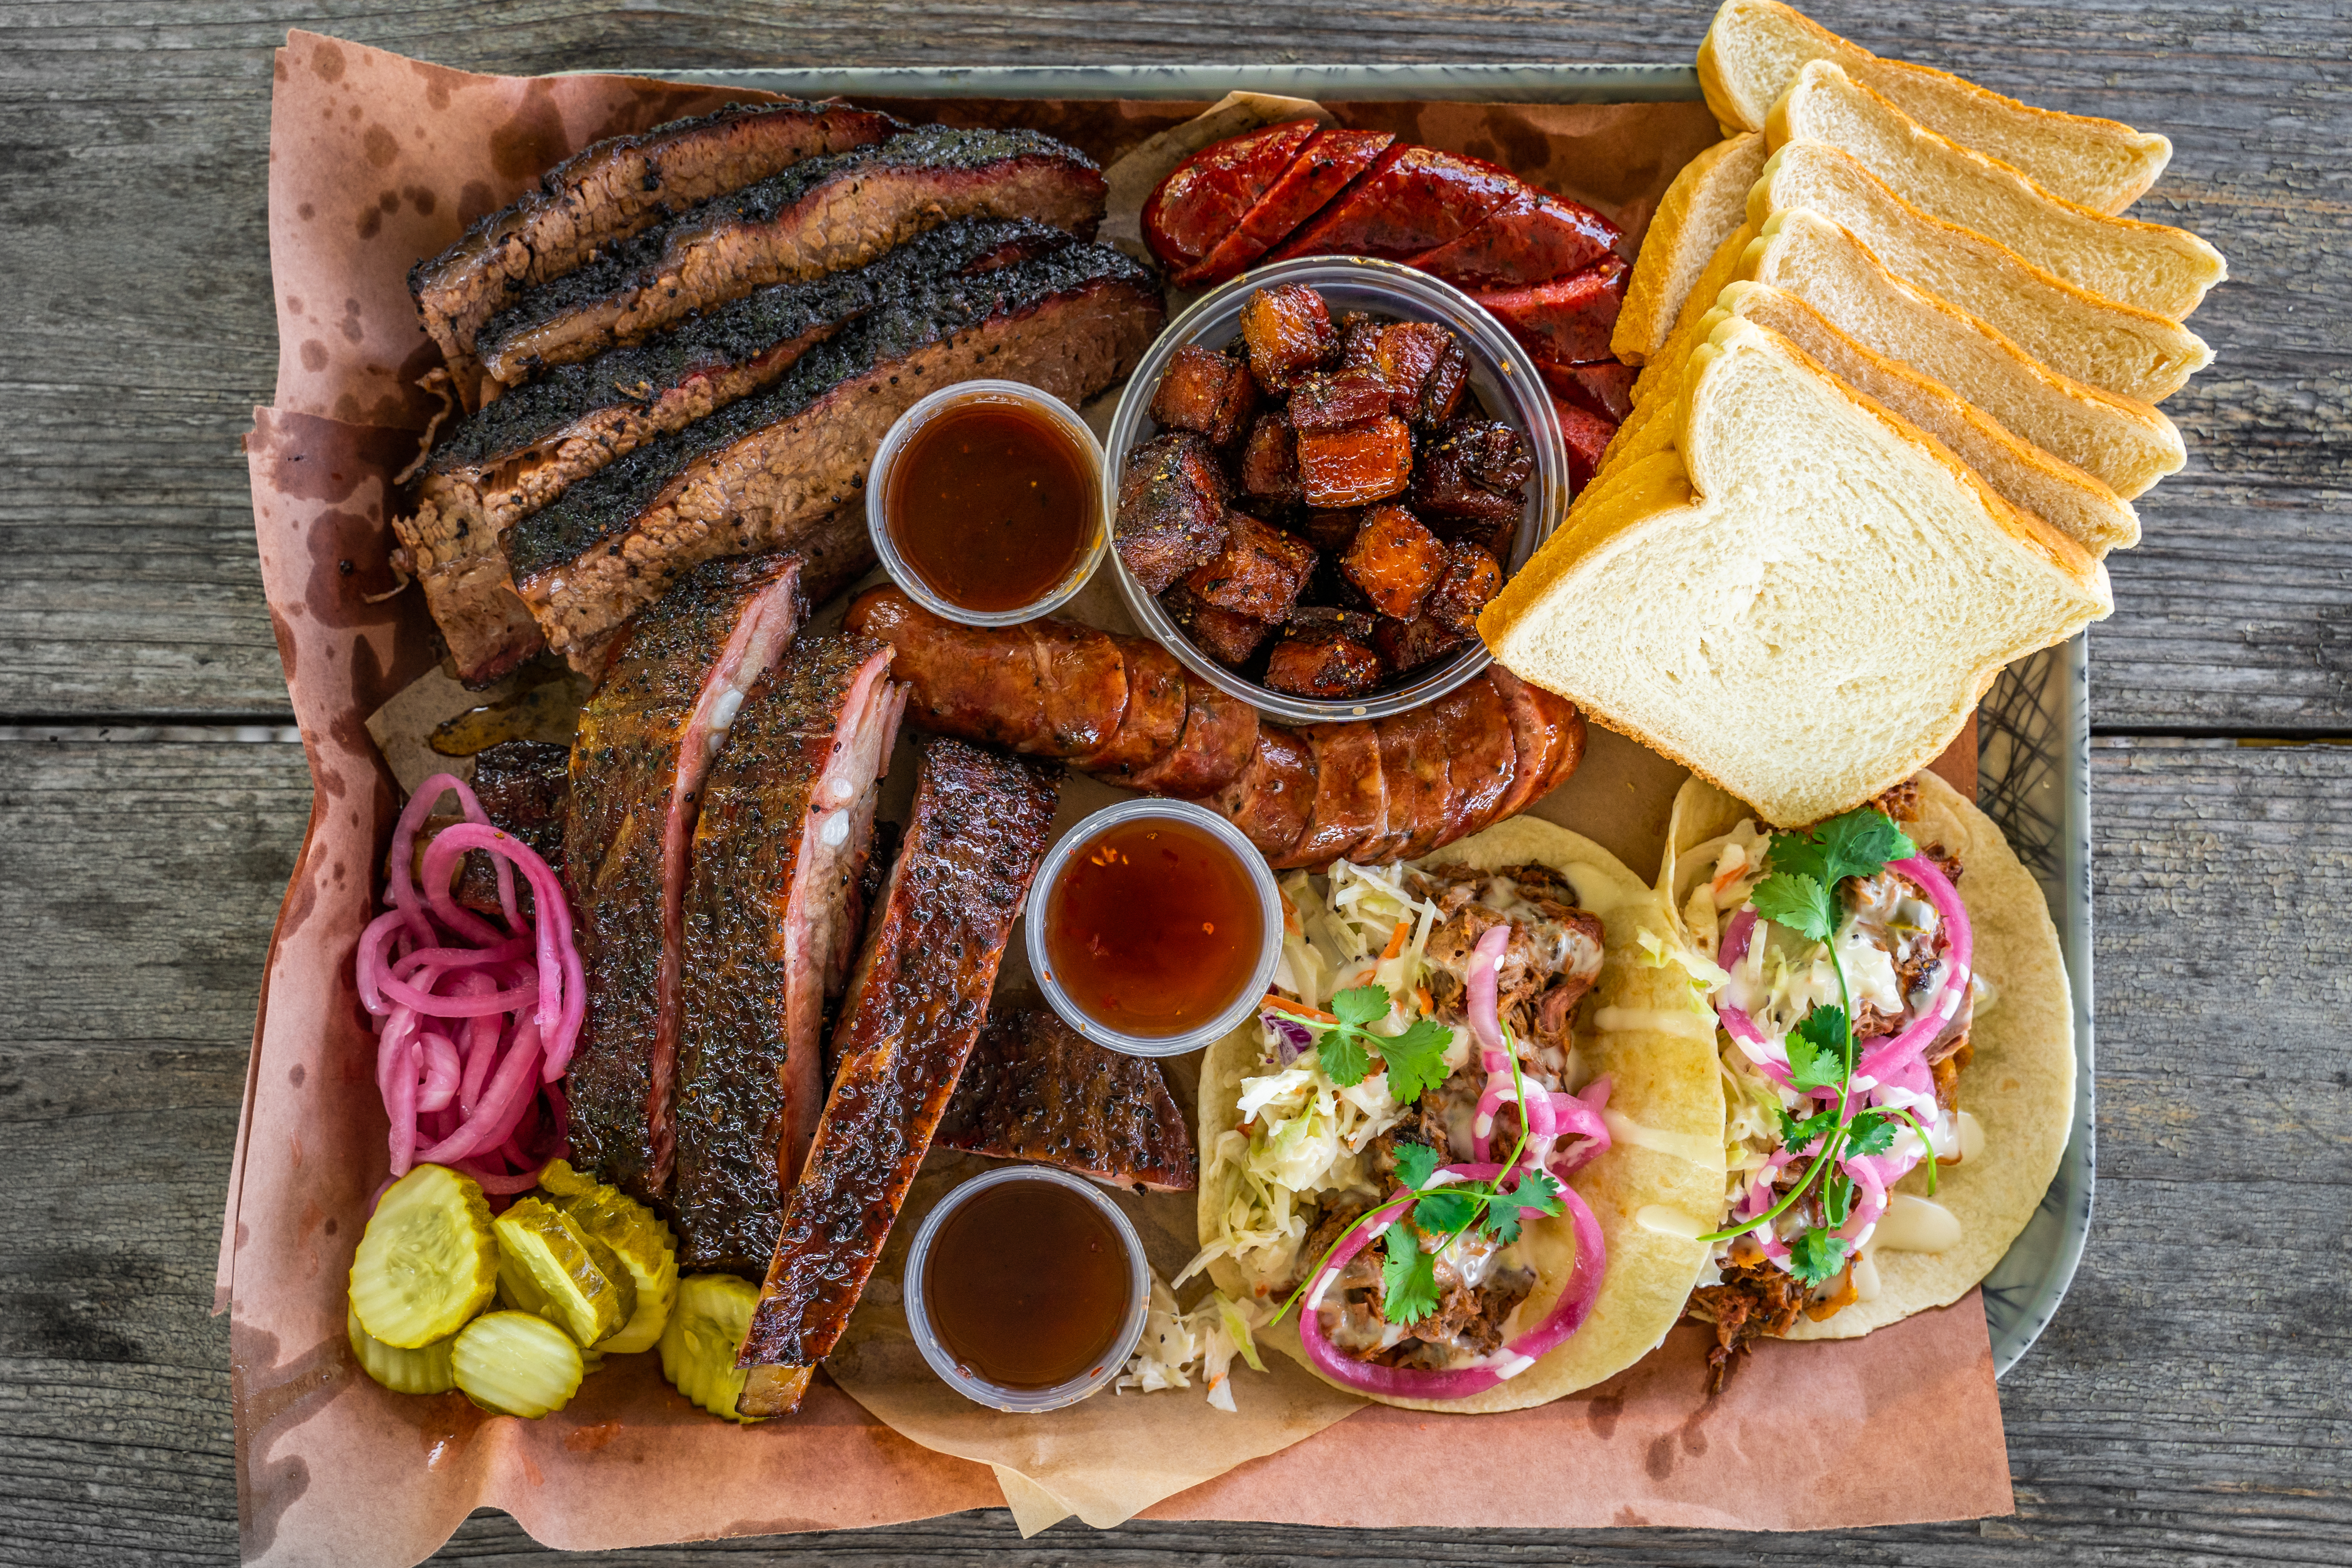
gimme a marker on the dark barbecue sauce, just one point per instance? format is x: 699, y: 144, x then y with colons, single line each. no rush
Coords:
x: 1027, y: 1285
x: 991, y: 505
x: 1154, y: 927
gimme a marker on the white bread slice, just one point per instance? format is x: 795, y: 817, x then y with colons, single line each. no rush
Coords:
x: 1801, y: 598
x: 2159, y: 268
x: 2023, y: 475
x: 2131, y: 353
x: 1754, y: 50
x: 1707, y: 202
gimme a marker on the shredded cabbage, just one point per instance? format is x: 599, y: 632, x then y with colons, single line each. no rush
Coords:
x: 1212, y: 1334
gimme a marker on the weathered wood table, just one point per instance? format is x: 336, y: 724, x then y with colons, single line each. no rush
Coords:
x: 2193, y: 1400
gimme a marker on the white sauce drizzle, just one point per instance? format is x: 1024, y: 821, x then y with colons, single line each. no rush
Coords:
x: 1670, y: 1222
x: 1657, y: 1020
x: 1691, y: 1146
x: 1913, y: 1224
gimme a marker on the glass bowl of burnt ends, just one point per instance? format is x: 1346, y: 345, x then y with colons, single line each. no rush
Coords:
x: 1503, y: 385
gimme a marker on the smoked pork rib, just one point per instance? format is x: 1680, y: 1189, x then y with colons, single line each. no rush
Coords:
x: 914, y: 1009
x: 817, y: 217
x: 1362, y: 791
x: 609, y: 191
x: 756, y: 475
x: 771, y: 915
x: 1037, y: 1090
x: 646, y: 738
x: 520, y: 452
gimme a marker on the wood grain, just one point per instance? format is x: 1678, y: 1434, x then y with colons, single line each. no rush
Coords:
x: 132, y: 232
x: 2192, y: 1400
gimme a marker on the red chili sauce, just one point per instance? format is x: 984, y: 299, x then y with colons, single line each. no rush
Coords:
x: 1027, y: 1285
x: 990, y: 504
x: 1154, y: 927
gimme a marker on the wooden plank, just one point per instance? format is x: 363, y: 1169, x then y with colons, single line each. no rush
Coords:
x: 2192, y: 1397
x: 132, y: 232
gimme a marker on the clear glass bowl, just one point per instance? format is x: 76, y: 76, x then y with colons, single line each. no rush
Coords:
x: 1041, y: 913
x: 995, y: 1396
x: 1502, y: 378
x: 1055, y: 412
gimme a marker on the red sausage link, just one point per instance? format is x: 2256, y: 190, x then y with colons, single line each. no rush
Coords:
x: 1411, y: 200
x: 1206, y: 195
x: 1533, y: 237
x: 1323, y: 169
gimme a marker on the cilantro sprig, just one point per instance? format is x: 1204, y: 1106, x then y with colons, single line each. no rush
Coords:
x: 1801, y: 894
x: 1415, y: 1060
x: 1445, y: 1210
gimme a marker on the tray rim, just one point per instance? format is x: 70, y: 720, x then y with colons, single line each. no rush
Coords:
x: 2027, y: 1305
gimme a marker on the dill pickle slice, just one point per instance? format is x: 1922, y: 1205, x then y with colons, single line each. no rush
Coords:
x: 705, y: 1328
x: 423, y: 1370
x: 426, y: 1262
x: 646, y: 1251
x: 515, y: 1364
x: 559, y: 1180
x: 588, y: 1293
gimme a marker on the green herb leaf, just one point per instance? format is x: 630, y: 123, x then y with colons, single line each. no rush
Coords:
x: 1416, y: 1058
x: 1343, y: 1057
x: 1361, y: 1006
x: 1537, y: 1194
x: 1408, y: 1278
x: 1814, y: 1256
x: 1874, y: 1133
x: 1817, y: 1050
x: 1837, y: 1198
x: 1445, y: 1211
x: 1798, y: 1135
x: 1798, y: 902
x: 1858, y: 844
x: 1416, y: 1164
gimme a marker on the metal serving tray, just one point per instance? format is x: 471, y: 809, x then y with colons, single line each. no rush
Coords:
x: 2033, y: 741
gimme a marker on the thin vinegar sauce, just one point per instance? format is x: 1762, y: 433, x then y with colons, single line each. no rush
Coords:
x: 1154, y: 927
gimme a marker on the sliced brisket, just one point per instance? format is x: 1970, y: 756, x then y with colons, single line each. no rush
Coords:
x: 914, y: 1009
x: 816, y: 216
x: 771, y: 915
x: 525, y: 788
x: 1037, y: 1090
x: 646, y: 738
x: 520, y: 452
x: 757, y: 474
x: 613, y: 189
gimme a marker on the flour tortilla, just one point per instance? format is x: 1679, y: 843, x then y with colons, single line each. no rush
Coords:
x: 2020, y: 1084
x: 1667, y: 1093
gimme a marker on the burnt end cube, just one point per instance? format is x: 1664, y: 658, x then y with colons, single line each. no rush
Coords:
x: 1206, y: 391
x: 1322, y: 664
x: 1472, y: 577
x: 1472, y: 472
x: 1332, y: 532
x: 1358, y: 466
x: 1270, y: 460
x: 1340, y: 398
x: 1289, y: 332
x: 1224, y: 636
x: 1360, y: 337
x: 1172, y: 508
x: 1408, y: 644
x: 1406, y: 354
x: 1259, y: 574
x: 1441, y: 392
x: 1328, y: 620
x: 1394, y: 561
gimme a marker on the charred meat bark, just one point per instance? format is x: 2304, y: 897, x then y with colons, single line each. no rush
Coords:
x: 610, y: 190
x: 523, y: 451
x: 646, y: 738
x: 525, y: 788
x: 815, y: 217
x: 771, y: 916
x: 1205, y: 392
x: 1171, y: 508
x: 1259, y: 572
x: 1037, y: 1090
x: 759, y: 472
x: 914, y: 1010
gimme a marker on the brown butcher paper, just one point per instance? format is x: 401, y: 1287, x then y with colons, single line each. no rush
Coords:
x: 377, y: 161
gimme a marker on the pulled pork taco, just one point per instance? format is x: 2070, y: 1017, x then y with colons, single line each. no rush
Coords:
x: 1896, y: 1052
x: 1458, y: 1159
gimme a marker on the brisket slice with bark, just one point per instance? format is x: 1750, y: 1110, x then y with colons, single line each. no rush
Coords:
x: 815, y: 217
x: 610, y: 190
x: 758, y: 473
x: 646, y: 738
x: 1037, y: 1090
x: 914, y: 1009
x: 525, y: 788
x: 771, y: 916
x: 520, y: 452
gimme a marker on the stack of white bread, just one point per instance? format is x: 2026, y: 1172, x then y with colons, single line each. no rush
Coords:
x: 1900, y: 368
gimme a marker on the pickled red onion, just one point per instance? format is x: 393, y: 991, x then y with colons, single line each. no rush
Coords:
x: 473, y: 1020
x: 1566, y: 1315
